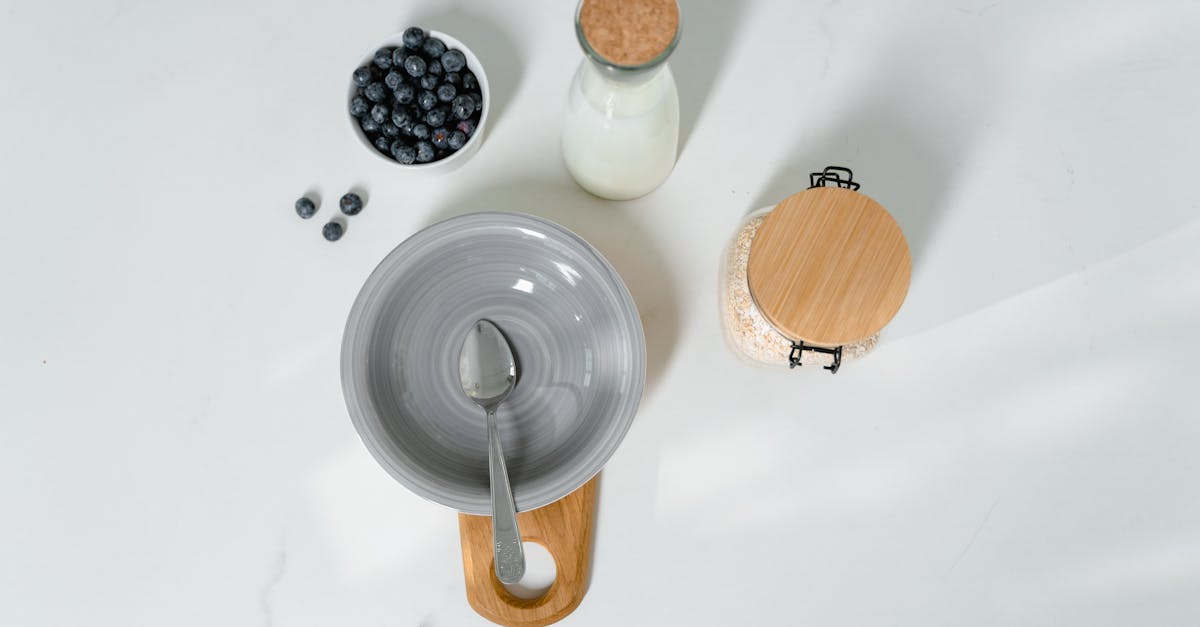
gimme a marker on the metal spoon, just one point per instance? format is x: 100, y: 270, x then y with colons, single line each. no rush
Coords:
x: 488, y: 372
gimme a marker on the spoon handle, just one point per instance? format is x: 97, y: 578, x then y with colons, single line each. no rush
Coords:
x: 506, y: 537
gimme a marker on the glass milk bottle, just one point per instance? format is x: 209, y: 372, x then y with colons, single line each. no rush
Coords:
x: 621, y: 129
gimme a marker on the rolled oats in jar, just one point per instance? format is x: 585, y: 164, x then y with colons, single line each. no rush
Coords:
x: 814, y: 279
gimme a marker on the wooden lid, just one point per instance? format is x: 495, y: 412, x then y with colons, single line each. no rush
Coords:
x: 629, y: 32
x: 829, y: 266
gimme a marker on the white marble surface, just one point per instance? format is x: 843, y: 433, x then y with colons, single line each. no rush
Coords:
x: 1022, y: 449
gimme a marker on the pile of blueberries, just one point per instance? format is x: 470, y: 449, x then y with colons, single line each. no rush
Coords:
x: 417, y: 103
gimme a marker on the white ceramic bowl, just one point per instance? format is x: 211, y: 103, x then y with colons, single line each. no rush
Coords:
x: 457, y: 158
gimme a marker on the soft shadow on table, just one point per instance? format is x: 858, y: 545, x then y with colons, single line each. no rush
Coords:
x: 708, y: 31
x: 491, y: 44
x: 901, y: 153
x: 612, y: 229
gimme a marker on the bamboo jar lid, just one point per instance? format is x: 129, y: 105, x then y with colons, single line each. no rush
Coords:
x: 829, y: 266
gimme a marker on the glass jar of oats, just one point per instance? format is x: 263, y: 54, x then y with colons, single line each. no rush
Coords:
x: 814, y: 279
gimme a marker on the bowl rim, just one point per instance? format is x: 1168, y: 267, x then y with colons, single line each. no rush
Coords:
x: 401, y: 469
x: 473, y: 64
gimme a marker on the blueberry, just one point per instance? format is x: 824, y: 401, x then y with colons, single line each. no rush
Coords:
x: 436, y: 117
x: 350, y: 204
x: 413, y: 38
x: 404, y: 94
x: 382, y: 143
x: 457, y: 140
x: 420, y: 131
x: 467, y: 127
x: 400, y: 116
x: 359, y: 107
x: 306, y: 208
x: 463, y: 107
x: 383, y: 58
x: 434, y: 67
x: 429, y: 81
x: 452, y: 78
x: 393, y: 79
x: 433, y: 47
x: 446, y: 92
x: 469, y: 82
x: 380, y: 113
x: 424, y: 152
x: 454, y: 60
x: 375, y: 92
x: 478, y: 101
x: 333, y: 231
x: 427, y: 100
x: 415, y: 66
x: 403, y: 153
x: 406, y: 127
x: 440, y: 138
x: 363, y: 76
x: 389, y: 129
x: 368, y: 124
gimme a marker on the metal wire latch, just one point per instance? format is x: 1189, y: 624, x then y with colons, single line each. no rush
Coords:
x: 798, y: 348
x: 839, y: 177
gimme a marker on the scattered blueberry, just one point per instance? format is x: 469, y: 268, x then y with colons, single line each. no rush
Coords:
x: 424, y: 152
x: 469, y: 82
x: 420, y: 131
x: 333, y: 231
x: 404, y: 94
x: 434, y: 67
x: 382, y: 143
x: 414, y: 37
x: 350, y: 204
x: 363, y: 76
x: 393, y: 79
x: 427, y: 100
x: 389, y: 129
x: 429, y: 81
x: 403, y: 152
x: 446, y: 92
x: 359, y: 107
x: 380, y: 113
x: 375, y: 92
x: 306, y: 208
x: 440, y: 138
x: 467, y: 127
x: 434, y: 48
x: 453, y: 60
x: 415, y: 66
x: 368, y: 124
x: 436, y: 117
x: 383, y: 58
x: 457, y: 140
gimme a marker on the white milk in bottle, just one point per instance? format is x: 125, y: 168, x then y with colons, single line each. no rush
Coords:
x: 621, y: 129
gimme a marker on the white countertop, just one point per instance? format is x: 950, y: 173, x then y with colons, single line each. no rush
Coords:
x: 1022, y: 449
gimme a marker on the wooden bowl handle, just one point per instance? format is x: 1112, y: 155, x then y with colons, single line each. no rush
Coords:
x: 564, y: 527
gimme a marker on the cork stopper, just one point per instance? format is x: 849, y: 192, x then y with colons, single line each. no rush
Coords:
x: 829, y: 266
x: 629, y: 32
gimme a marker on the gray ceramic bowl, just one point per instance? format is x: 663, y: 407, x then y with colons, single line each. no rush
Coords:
x: 571, y: 321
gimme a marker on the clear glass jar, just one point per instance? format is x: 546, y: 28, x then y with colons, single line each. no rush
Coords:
x: 621, y: 129
x: 754, y: 338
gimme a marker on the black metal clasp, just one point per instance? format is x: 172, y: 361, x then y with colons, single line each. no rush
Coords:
x: 799, y: 347
x: 840, y: 177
